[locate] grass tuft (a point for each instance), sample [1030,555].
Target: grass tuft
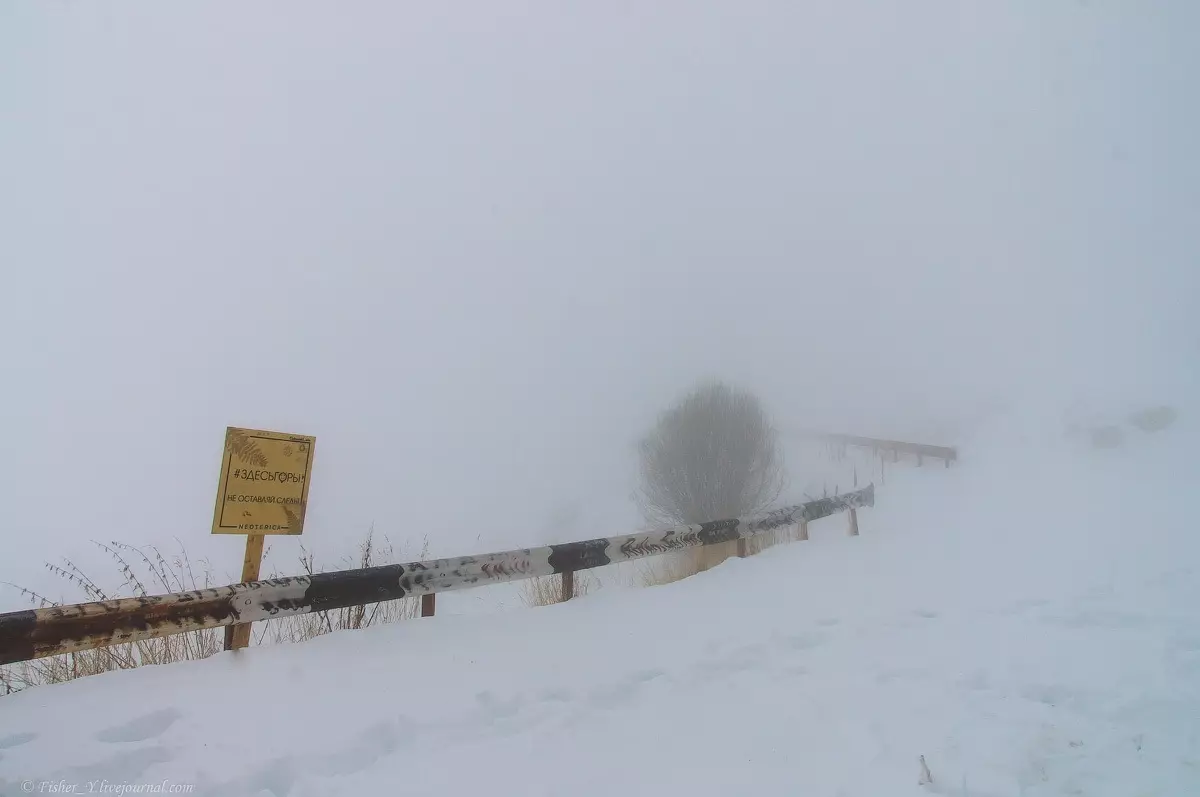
[677,566]
[145,571]
[547,590]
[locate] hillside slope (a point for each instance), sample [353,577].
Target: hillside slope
[1027,622]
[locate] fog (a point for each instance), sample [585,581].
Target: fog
[475,249]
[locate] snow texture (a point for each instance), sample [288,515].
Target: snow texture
[1022,624]
[59,629]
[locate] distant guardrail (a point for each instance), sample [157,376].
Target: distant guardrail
[895,447]
[35,633]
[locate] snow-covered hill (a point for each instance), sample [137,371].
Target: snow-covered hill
[1027,622]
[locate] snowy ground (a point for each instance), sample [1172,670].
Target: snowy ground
[1027,622]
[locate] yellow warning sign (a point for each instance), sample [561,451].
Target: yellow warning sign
[264,482]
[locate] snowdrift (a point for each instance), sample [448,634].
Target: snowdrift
[1026,622]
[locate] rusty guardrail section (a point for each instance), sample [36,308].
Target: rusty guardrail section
[35,633]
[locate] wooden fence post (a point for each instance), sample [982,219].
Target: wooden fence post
[802,531]
[568,585]
[238,635]
[853,522]
[428,604]
[741,547]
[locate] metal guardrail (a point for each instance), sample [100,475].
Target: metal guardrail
[895,446]
[35,633]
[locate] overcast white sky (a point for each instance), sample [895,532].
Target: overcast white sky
[474,248]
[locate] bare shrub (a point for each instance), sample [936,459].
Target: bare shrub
[712,456]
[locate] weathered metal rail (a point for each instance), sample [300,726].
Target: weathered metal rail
[51,631]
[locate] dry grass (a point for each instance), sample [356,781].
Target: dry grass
[673,567]
[164,575]
[298,628]
[547,590]
[145,571]
[779,536]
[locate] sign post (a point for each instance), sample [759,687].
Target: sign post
[263,489]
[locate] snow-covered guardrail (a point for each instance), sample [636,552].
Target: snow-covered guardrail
[35,633]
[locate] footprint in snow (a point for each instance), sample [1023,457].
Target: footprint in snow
[741,659]
[975,682]
[556,696]
[276,776]
[497,708]
[642,676]
[280,776]
[127,764]
[16,740]
[625,691]
[1052,695]
[139,729]
[372,743]
[804,641]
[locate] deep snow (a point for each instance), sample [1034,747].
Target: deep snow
[1026,621]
